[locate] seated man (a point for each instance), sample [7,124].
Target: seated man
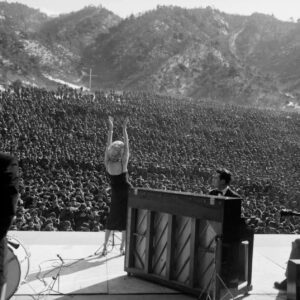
[295,254]
[238,230]
[9,196]
[221,181]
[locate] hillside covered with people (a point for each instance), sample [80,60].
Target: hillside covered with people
[176,144]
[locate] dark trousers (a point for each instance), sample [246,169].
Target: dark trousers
[295,253]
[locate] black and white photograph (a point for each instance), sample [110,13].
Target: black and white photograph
[150,150]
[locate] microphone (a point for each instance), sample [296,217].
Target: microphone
[288,213]
[60,258]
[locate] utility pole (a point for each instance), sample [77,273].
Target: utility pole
[90,78]
[90,85]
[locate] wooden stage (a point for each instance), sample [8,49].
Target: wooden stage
[86,275]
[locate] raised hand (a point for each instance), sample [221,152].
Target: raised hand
[111,122]
[125,122]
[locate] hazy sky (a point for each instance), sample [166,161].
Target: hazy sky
[281,9]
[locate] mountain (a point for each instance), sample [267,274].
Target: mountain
[60,41]
[17,21]
[273,47]
[77,30]
[55,44]
[21,18]
[196,53]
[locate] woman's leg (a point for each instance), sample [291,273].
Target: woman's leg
[106,238]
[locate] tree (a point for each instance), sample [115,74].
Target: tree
[16,85]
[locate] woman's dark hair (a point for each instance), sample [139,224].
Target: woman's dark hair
[224,175]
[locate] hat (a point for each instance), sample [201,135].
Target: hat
[82,205]
[52,214]
[48,221]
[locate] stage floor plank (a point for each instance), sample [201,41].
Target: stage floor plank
[87,275]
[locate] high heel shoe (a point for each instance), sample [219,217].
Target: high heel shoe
[104,252]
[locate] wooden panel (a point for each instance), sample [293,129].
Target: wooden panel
[206,255]
[131,218]
[139,235]
[193,258]
[170,246]
[149,241]
[219,286]
[160,242]
[182,240]
[177,204]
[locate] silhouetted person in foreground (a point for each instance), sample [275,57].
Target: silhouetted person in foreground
[8,203]
[295,254]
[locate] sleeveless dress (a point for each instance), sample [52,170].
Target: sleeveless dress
[117,217]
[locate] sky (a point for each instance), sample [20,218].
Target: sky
[281,9]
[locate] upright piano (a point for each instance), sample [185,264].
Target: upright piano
[194,243]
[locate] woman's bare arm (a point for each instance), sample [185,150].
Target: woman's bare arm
[126,141]
[109,138]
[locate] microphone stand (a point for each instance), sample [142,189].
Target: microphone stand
[113,244]
[57,276]
[288,213]
[113,239]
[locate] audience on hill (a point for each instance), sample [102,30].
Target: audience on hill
[59,137]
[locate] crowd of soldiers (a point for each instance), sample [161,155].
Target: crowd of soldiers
[59,137]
